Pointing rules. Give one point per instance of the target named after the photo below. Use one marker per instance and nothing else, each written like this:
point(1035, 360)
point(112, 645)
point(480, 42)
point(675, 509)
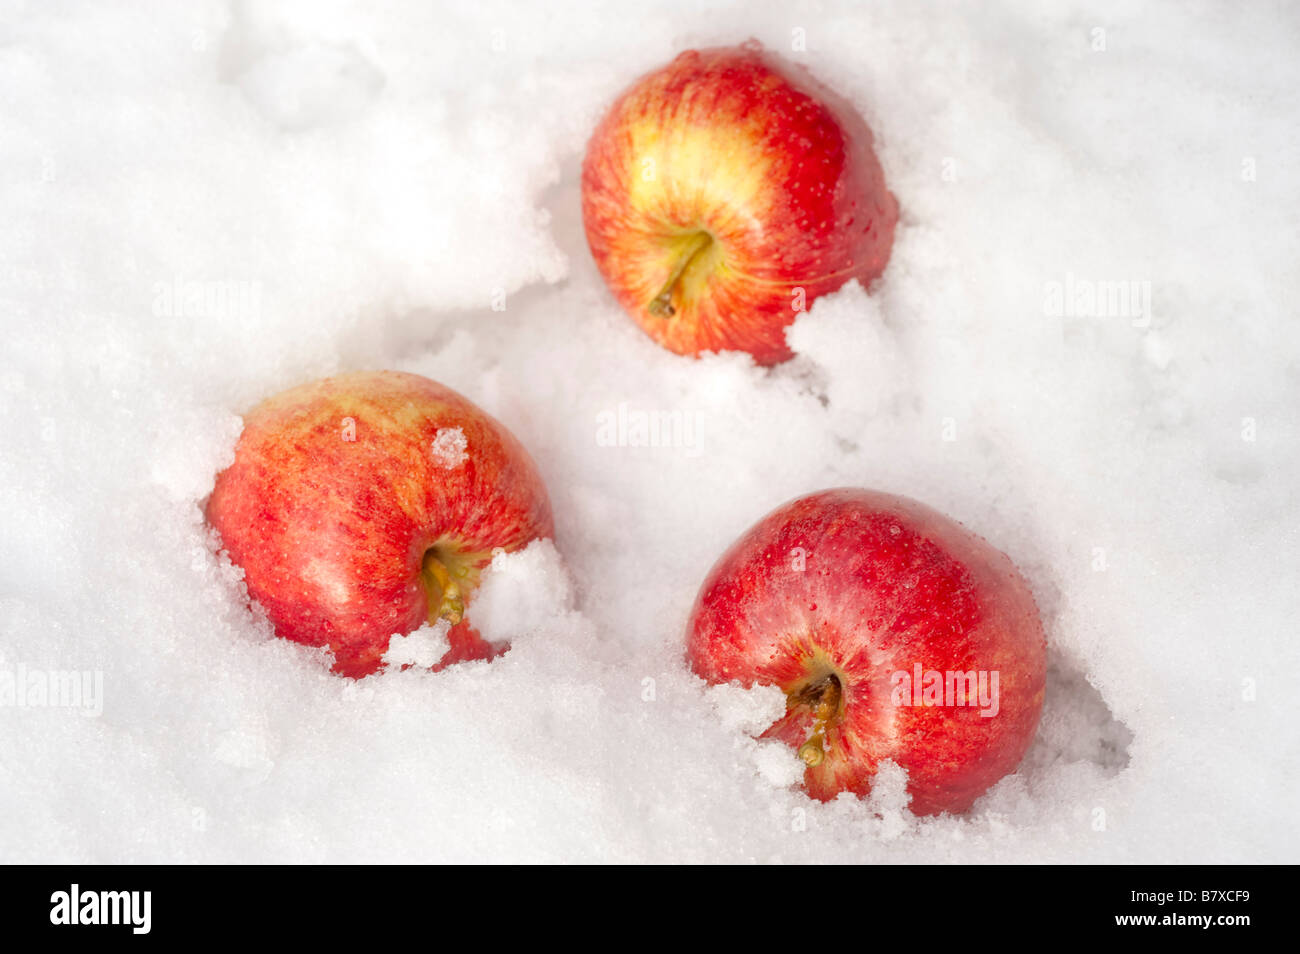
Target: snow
point(424, 647)
point(449, 448)
point(206, 203)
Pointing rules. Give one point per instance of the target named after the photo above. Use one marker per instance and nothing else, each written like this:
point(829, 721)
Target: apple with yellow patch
point(725, 192)
point(365, 505)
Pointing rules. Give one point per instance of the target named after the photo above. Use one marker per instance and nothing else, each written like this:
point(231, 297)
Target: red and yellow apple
point(863, 607)
point(725, 192)
point(365, 505)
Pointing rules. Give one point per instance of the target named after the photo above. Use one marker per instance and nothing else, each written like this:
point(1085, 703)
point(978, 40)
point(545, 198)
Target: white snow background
point(204, 203)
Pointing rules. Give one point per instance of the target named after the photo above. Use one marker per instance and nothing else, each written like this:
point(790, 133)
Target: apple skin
point(346, 542)
point(774, 171)
point(886, 583)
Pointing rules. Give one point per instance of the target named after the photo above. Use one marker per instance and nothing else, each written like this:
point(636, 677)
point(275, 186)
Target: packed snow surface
point(205, 203)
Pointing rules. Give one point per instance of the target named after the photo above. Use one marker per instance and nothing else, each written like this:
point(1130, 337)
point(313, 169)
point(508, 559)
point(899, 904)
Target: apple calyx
point(446, 595)
point(693, 248)
point(823, 696)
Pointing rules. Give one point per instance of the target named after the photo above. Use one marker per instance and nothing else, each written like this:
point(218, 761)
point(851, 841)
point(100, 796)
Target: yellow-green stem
point(661, 306)
point(446, 601)
point(826, 698)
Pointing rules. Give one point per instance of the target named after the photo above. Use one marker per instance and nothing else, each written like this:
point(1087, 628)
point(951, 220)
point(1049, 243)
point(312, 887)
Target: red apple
point(364, 505)
point(724, 192)
point(843, 598)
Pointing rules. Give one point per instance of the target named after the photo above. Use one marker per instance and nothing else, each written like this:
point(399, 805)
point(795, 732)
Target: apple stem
point(661, 306)
point(827, 700)
point(445, 598)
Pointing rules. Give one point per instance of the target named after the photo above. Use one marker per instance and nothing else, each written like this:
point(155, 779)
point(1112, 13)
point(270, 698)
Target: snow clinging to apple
point(725, 192)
